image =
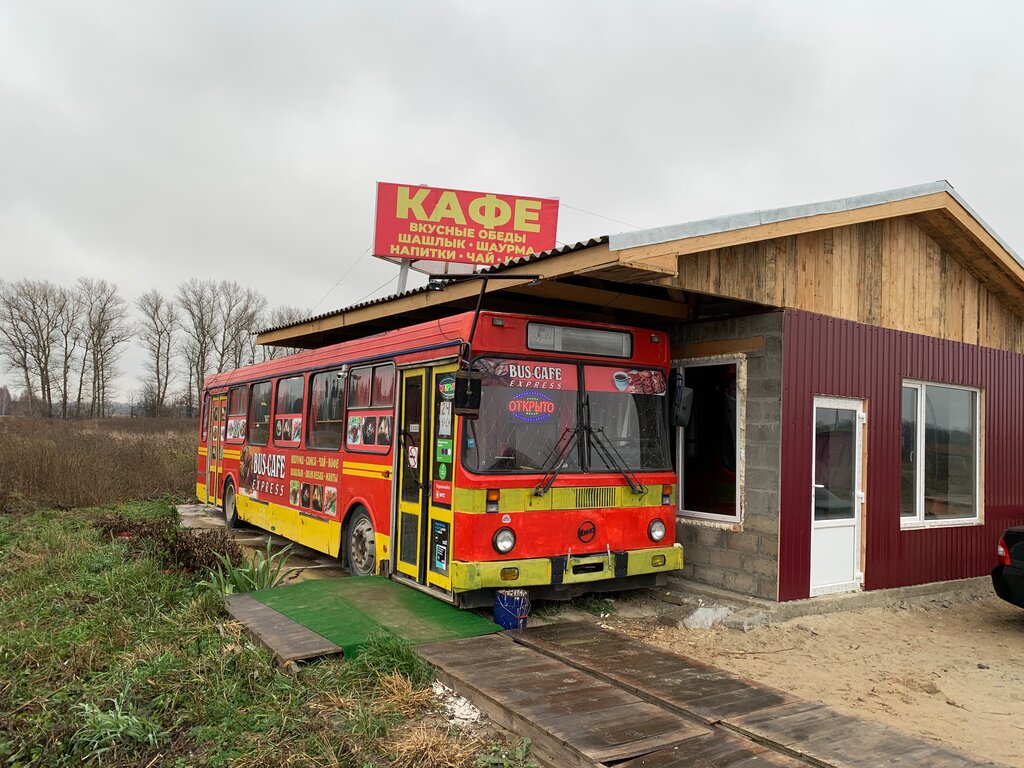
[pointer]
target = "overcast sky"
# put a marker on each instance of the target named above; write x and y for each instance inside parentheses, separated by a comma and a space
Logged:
(147, 142)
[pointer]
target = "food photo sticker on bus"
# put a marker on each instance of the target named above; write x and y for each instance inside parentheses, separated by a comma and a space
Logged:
(318, 498)
(294, 489)
(330, 500)
(305, 495)
(355, 430)
(384, 430)
(631, 382)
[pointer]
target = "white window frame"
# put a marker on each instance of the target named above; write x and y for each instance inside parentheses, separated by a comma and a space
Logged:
(740, 361)
(919, 521)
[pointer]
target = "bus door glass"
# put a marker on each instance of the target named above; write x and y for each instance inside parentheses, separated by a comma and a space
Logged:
(411, 438)
(438, 531)
(215, 448)
(427, 463)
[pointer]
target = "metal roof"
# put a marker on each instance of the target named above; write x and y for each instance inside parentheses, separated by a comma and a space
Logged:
(736, 221)
(518, 261)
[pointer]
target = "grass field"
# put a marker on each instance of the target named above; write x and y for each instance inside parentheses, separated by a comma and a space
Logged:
(65, 464)
(112, 655)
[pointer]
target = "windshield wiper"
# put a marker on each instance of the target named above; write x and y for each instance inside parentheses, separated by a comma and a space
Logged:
(553, 469)
(613, 458)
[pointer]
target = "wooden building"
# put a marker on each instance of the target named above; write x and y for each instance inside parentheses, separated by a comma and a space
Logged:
(858, 375)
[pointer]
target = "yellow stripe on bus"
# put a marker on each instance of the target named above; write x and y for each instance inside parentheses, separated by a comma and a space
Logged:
(360, 473)
(202, 450)
(363, 465)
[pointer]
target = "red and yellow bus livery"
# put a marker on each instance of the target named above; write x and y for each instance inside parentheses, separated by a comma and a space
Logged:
(558, 480)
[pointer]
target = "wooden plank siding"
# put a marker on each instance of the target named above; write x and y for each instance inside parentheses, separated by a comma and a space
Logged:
(889, 273)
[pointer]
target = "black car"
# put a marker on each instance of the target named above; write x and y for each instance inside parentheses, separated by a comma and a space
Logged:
(1008, 576)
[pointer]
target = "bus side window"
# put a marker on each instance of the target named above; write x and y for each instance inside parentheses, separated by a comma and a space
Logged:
(288, 411)
(326, 410)
(259, 413)
(205, 418)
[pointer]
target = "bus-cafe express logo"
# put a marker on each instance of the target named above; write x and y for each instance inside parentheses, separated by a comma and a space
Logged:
(531, 406)
(446, 387)
(535, 376)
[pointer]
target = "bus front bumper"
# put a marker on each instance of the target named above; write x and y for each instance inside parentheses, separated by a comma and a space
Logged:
(564, 569)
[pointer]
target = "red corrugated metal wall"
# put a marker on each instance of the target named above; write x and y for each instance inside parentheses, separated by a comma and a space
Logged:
(827, 356)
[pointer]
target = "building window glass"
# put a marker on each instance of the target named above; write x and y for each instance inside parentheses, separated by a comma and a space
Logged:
(708, 450)
(940, 456)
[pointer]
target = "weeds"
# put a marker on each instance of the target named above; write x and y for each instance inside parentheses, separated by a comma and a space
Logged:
(601, 607)
(120, 726)
(67, 464)
(500, 756)
(109, 658)
(264, 571)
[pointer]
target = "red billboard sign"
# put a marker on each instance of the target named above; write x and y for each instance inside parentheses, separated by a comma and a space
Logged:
(415, 222)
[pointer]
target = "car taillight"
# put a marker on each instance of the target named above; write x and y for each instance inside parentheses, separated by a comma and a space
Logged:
(1003, 552)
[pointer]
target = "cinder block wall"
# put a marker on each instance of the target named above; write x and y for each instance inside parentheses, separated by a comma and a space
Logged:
(744, 557)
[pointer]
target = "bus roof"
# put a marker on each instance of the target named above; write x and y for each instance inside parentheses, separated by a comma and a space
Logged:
(425, 340)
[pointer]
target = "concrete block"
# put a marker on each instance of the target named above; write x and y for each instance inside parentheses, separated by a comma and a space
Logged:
(761, 523)
(768, 545)
(763, 387)
(711, 537)
(740, 541)
(706, 616)
(762, 565)
(747, 619)
(768, 587)
(726, 558)
(762, 501)
(761, 480)
(746, 583)
(695, 553)
(764, 434)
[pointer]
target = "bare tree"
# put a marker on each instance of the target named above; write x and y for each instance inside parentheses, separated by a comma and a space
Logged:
(70, 338)
(238, 317)
(276, 318)
(197, 305)
(157, 331)
(105, 323)
(38, 319)
(15, 339)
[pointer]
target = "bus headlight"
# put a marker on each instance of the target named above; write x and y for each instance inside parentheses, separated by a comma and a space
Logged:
(504, 540)
(656, 530)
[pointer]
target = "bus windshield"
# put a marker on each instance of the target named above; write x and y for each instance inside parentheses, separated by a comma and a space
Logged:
(629, 409)
(528, 412)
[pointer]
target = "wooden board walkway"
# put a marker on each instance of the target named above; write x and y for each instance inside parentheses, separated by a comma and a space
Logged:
(588, 696)
(288, 640)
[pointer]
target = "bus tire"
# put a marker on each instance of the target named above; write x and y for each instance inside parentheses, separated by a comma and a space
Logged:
(360, 544)
(230, 509)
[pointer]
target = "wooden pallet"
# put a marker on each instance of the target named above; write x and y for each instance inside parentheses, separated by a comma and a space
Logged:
(288, 640)
(573, 718)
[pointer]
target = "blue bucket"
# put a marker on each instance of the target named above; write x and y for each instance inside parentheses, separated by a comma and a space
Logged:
(511, 608)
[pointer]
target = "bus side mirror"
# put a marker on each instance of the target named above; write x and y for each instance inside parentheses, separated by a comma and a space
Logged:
(682, 406)
(467, 394)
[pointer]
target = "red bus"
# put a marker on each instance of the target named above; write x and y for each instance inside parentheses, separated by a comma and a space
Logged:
(562, 483)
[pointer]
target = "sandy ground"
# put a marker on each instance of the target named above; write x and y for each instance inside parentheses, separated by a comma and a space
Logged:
(953, 672)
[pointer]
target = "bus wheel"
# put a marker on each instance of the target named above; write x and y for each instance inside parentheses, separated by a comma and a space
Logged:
(361, 545)
(230, 510)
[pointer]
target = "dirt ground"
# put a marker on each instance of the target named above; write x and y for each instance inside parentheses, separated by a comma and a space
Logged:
(949, 671)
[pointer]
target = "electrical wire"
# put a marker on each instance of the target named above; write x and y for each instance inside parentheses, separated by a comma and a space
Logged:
(598, 215)
(343, 276)
(382, 285)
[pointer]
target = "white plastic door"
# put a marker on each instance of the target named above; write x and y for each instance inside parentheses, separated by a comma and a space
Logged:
(837, 496)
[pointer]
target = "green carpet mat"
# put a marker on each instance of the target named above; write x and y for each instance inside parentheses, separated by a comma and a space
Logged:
(347, 610)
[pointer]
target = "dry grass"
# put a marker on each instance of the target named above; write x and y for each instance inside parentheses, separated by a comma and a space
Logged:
(66, 464)
(424, 745)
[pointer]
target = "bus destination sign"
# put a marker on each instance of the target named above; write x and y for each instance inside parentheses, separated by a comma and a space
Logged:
(453, 225)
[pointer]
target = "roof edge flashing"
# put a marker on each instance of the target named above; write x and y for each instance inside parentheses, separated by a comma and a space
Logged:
(718, 224)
